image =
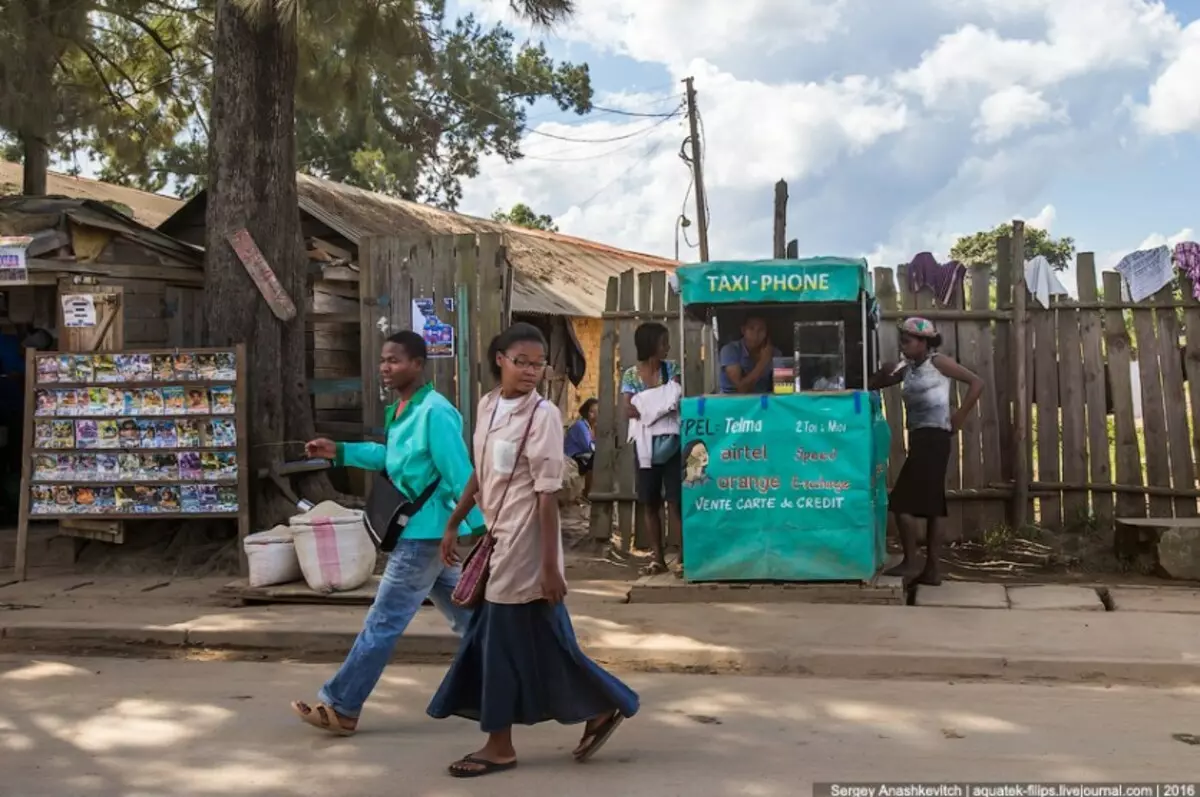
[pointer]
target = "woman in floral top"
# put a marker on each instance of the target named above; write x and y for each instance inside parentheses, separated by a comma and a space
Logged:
(653, 369)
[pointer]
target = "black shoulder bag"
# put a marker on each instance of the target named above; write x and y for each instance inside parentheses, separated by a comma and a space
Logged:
(388, 510)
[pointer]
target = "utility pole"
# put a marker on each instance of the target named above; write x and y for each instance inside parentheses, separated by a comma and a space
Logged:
(697, 171)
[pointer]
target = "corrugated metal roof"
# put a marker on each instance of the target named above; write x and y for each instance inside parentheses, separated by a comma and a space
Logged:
(34, 215)
(149, 209)
(555, 274)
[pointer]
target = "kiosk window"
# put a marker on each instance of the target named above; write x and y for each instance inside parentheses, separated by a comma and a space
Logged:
(820, 354)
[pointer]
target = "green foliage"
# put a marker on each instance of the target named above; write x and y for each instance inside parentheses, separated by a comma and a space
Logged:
(391, 97)
(980, 248)
(523, 216)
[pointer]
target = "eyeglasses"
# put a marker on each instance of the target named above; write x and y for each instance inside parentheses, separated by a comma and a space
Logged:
(527, 365)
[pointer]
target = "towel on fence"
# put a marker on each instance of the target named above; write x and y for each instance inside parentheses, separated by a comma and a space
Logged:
(658, 409)
(1187, 260)
(941, 278)
(1146, 272)
(1041, 280)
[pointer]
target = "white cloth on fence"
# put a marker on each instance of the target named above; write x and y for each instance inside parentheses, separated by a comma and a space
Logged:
(1146, 271)
(1042, 281)
(658, 409)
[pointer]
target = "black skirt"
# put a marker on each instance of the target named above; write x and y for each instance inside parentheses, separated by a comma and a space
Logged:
(519, 664)
(920, 489)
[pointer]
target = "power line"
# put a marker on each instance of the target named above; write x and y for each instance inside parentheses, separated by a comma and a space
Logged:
(644, 132)
(649, 154)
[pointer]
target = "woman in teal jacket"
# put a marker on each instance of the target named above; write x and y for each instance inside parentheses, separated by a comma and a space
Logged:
(424, 442)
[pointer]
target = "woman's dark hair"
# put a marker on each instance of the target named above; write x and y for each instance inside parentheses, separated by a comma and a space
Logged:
(933, 342)
(586, 407)
(647, 339)
(519, 332)
(412, 343)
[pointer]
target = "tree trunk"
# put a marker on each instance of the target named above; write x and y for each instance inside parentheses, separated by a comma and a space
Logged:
(36, 163)
(252, 185)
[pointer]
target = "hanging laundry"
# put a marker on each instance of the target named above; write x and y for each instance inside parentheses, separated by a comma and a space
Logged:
(1042, 281)
(941, 278)
(1187, 260)
(1146, 272)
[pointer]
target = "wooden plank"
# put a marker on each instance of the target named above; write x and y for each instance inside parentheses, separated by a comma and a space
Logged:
(491, 319)
(1191, 326)
(444, 273)
(264, 278)
(185, 316)
(641, 539)
(672, 537)
(889, 348)
(604, 475)
(1004, 365)
(1154, 418)
(373, 254)
(1094, 393)
(1073, 416)
(109, 331)
(21, 557)
(1183, 473)
(1022, 454)
(241, 391)
(980, 428)
(626, 464)
(339, 339)
(1118, 347)
(957, 527)
(1046, 389)
(466, 255)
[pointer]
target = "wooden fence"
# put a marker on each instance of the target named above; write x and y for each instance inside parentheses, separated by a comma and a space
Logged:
(1055, 443)
(468, 281)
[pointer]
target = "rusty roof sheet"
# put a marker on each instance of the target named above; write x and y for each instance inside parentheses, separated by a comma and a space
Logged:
(555, 274)
(148, 209)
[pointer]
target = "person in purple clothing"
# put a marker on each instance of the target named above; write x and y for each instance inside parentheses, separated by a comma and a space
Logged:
(580, 442)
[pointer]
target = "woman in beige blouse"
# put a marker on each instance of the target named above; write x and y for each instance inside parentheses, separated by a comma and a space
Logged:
(519, 663)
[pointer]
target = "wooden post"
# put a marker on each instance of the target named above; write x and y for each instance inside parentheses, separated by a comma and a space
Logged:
(792, 252)
(781, 198)
(21, 559)
(1020, 432)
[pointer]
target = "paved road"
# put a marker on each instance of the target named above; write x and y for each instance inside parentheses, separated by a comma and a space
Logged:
(129, 728)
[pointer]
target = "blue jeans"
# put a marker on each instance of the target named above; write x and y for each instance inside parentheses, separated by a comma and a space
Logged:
(414, 570)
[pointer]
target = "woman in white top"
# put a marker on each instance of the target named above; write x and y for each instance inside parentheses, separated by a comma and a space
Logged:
(519, 663)
(920, 489)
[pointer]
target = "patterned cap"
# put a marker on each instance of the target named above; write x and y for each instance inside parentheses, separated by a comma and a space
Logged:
(918, 328)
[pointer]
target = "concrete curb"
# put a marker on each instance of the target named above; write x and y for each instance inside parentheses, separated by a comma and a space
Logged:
(853, 663)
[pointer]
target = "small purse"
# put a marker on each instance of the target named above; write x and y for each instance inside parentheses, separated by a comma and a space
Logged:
(472, 583)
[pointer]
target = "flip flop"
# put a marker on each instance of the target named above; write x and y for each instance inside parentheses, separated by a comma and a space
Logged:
(592, 741)
(322, 717)
(482, 767)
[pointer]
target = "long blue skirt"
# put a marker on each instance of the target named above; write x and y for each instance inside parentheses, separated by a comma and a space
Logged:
(521, 665)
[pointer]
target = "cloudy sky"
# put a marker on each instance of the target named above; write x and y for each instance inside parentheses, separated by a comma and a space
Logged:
(898, 125)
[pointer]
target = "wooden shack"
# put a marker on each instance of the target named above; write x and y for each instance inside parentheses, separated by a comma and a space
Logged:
(82, 276)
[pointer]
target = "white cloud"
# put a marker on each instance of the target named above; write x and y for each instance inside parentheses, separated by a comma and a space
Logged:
(1082, 36)
(1044, 219)
(1174, 99)
(674, 32)
(1012, 109)
(840, 119)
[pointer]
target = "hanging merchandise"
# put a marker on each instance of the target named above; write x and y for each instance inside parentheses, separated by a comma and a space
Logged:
(1187, 260)
(1042, 281)
(1146, 272)
(941, 278)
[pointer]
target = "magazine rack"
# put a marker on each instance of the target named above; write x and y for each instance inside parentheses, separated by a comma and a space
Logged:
(134, 435)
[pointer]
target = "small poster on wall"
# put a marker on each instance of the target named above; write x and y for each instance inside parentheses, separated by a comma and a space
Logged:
(13, 269)
(438, 336)
(79, 310)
